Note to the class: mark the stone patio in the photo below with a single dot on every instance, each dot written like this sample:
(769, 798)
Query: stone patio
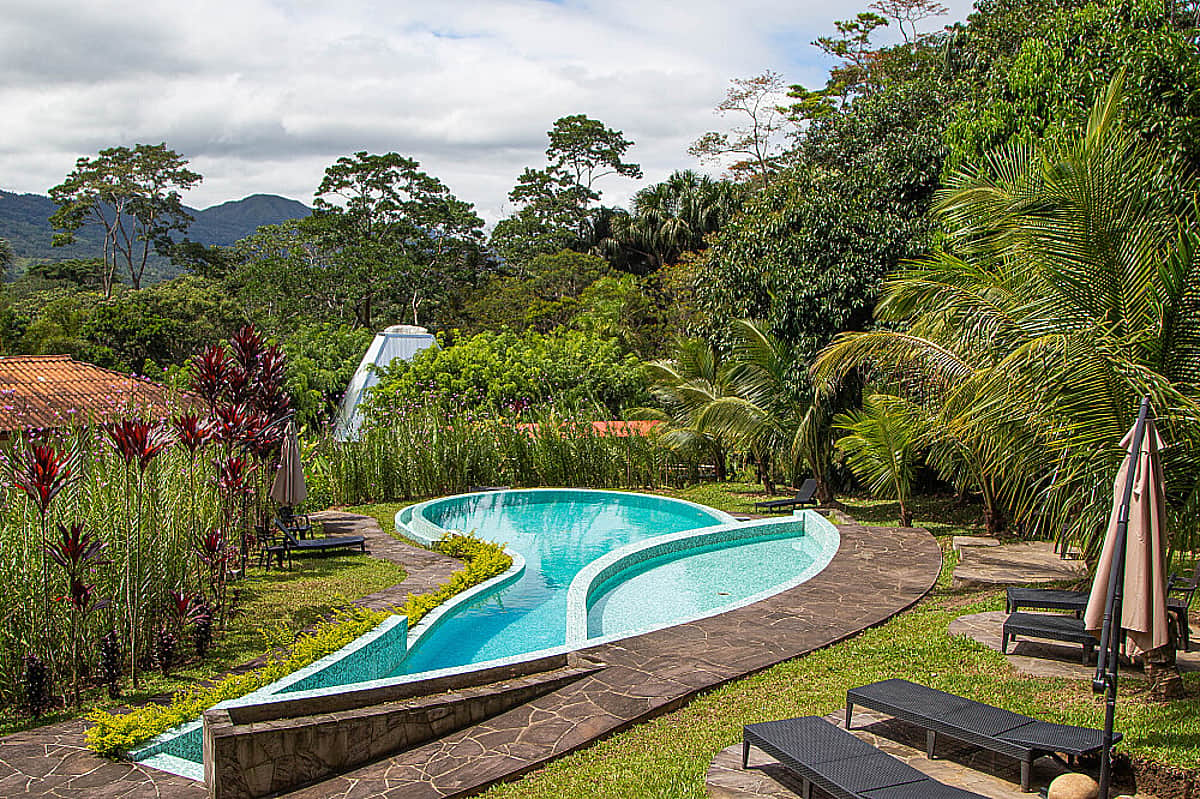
(956, 764)
(1045, 658)
(987, 562)
(876, 573)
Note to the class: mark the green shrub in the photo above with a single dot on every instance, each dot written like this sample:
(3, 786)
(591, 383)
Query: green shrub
(114, 734)
(483, 561)
(429, 451)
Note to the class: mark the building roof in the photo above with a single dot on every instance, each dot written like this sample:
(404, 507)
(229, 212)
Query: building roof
(56, 390)
(615, 427)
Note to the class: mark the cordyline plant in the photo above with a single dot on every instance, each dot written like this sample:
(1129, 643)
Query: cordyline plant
(41, 473)
(76, 552)
(236, 486)
(136, 442)
(215, 555)
(210, 371)
(193, 433)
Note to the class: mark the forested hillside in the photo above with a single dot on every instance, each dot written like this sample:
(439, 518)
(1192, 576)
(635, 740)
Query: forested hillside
(24, 223)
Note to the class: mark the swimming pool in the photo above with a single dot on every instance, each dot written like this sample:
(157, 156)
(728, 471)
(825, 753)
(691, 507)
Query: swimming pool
(588, 567)
(556, 532)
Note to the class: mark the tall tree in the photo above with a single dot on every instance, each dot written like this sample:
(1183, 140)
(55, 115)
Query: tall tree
(395, 233)
(555, 203)
(668, 219)
(757, 144)
(134, 195)
(1067, 292)
(6, 257)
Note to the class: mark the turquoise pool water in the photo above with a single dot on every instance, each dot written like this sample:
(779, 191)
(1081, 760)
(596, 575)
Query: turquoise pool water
(597, 564)
(558, 533)
(696, 582)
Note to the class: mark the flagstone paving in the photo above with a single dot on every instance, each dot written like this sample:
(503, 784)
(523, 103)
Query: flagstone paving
(987, 562)
(1044, 658)
(876, 573)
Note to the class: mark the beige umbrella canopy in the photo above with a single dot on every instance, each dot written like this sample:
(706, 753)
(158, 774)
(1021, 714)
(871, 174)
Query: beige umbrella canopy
(1144, 600)
(289, 488)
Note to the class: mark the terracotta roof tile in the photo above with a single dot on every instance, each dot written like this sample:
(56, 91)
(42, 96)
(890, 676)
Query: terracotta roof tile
(56, 390)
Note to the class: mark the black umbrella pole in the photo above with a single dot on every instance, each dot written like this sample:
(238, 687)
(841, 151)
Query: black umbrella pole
(1108, 657)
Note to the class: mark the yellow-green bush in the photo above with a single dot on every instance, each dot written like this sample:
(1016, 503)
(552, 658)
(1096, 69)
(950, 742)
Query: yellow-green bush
(483, 560)
(113, 734)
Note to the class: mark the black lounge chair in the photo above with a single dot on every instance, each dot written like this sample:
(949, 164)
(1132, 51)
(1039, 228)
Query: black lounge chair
(805, 496)
(1050, 627)
(320, 544)
(270, 546)
(1076, 602)
(841, 764)
(975, 723)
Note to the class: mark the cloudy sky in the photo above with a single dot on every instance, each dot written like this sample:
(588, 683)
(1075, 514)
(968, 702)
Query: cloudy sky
(262, 96)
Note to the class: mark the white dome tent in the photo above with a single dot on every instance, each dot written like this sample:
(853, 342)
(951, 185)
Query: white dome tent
(397, 341)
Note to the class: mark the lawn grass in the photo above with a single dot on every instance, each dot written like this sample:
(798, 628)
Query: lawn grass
(272, 607)
(666, 758)
(384, 513)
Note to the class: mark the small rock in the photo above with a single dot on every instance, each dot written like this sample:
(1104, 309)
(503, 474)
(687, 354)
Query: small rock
(1073, 786)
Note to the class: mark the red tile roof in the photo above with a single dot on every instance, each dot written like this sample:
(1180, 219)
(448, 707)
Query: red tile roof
(618, 428)
(57, 390)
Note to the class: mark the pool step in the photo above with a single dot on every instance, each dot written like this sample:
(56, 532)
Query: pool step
(264, 749)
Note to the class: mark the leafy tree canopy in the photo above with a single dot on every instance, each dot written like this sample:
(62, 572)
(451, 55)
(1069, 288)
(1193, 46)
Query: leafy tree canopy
(497, 370)
(1041, 85)
(134, 195)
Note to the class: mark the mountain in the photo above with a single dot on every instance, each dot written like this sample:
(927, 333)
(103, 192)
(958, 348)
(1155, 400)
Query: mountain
(226, 223)
(24, 222)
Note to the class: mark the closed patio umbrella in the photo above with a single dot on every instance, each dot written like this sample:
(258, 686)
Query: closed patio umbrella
(289, 489)
(1129, 594)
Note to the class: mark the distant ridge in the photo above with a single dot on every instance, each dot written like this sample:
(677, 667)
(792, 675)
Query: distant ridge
(24, 222)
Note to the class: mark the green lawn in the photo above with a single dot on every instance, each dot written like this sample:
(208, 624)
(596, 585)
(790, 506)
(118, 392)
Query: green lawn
(272, 607)
(666, 758)
(383, 512)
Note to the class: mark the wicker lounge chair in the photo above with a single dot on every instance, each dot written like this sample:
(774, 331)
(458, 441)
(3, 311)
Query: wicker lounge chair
(320, 544)
(1050, 627)
(975, 723)
(1076, 602)
(805, 496)
(840, 764)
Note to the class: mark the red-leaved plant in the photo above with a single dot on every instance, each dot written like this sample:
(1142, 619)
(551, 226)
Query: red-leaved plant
(210, 370)
(76, 551)
(136, 441)
(42, 473)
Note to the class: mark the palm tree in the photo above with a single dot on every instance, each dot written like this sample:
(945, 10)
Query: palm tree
(670, 218)
(881, 447)
(1069, 289)
(685, 385)
(773, 408)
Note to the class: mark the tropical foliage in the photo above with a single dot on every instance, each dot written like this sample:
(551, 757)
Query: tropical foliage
(1067, 291)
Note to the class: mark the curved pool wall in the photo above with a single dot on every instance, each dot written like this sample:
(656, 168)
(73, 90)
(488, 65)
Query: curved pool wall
(364, 663)
(601, 574)
(421, 521)
(558, 531)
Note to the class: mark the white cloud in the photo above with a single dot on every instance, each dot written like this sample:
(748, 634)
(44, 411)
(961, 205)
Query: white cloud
(262, 96)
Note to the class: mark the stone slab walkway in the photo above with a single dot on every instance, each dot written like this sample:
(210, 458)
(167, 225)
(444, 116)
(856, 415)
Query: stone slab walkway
(876, 573)
(1045, 658)
(51, 761)
(985, 562)
(956, 764)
